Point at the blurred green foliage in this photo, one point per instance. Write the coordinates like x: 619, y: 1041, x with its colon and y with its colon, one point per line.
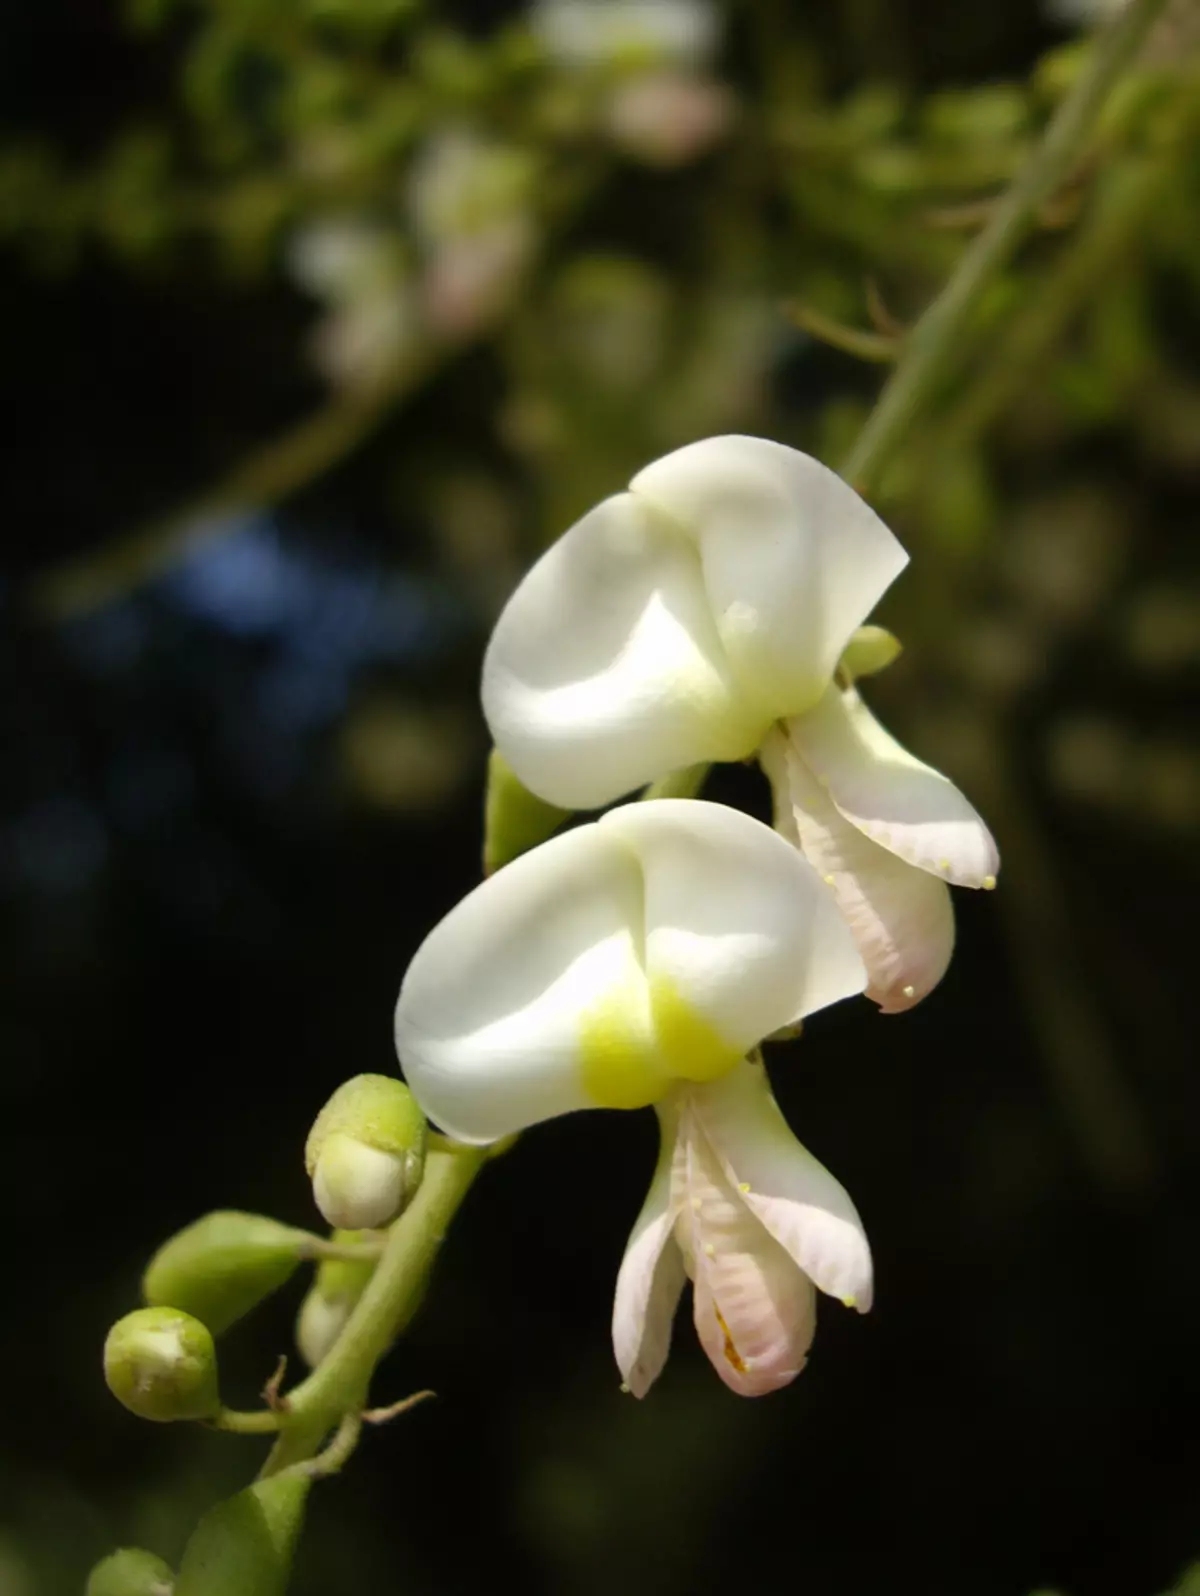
x: 520, y: 254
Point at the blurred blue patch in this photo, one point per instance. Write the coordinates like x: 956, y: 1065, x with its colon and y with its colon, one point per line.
x: 249, y: 581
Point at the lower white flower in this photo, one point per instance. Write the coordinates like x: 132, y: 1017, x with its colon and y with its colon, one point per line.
x: 659, y: 944
x: 746, y: 1213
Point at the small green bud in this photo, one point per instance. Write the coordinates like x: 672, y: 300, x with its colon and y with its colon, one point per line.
x: 366, y: 1152
x: 131, y: 1572
x: 162, y: 1365
x: 871, y: 649
x: 244, y: 1545
x: 336, y: 1288
x: 515, y: 820
x: 223, y: 1266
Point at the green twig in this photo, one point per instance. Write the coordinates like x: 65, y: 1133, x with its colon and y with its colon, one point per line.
x: 339, y: 1384
x: 937, y: 341
x: 880, y: 348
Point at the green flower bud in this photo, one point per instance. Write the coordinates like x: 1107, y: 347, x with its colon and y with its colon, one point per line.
x: 223, y: 1266
x: 515, y: 820
x: 244, y: 1546
x: 871, y: 649
x: 131, y: 1572
x: 162, y: 1365
x: 366, y: 1152
x: 336, y: 1288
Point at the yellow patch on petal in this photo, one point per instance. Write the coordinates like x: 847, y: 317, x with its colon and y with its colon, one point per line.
x: 732, y: 1356
x: 618, y: 1058
x: 629, y: 1058
x: 690, y: 1048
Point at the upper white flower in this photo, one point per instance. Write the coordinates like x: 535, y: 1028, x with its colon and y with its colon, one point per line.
x: 658, y: 944
x: 583, y: 33
x: 746, y: 1213
x: 701, y: 615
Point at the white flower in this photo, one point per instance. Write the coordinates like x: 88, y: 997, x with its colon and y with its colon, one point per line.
x: 469, y: 198
x: 357, y: 269
x: 585, y: 33
x: 667, y: 118
x: 660, y: 943
x: 740, y: 1208
x: 701, y: 615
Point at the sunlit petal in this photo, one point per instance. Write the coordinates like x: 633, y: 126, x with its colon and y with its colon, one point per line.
x: 789, y: 1193
x: 901, y: 918
x: 605, y: 669
x: 793, y: 559
x: 905, y: 806
x: 741, y: 935
x: 650, y: 1280
x: 488, y: 1019
x: 659, y: 943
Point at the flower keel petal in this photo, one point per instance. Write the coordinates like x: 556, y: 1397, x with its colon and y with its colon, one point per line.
x: 903, y: 805
x: 901, y: 918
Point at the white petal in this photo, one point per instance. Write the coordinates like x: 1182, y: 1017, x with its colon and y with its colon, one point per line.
x: 754, y: 1309
x: 488, y: 1023
x: 605, y: 669
x: 792, y: 1195
x: 907, y: 807
x: 649, y: 1281
x: 793, y: 559
x: 741, y: 935
x: 901, y: 918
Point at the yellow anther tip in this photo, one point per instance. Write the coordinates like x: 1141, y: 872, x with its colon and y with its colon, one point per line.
x: 988, y: 883
x: 944, y: 864
x: 709, y: 1250
x: 829, y: 881
x: 849, y: 1302
x: 909, y: 991
x: 744, y: 1185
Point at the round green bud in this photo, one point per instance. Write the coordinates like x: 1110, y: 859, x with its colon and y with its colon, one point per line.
x: 871, y: 649
x: 131, y: 1572
x: 515, y: 819
x: 162, y: 1365
x: 244, y: 1546
x: 222, y: 1266
x: 366, y: 1152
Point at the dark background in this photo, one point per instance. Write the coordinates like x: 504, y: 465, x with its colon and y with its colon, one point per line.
x: 241, y: 779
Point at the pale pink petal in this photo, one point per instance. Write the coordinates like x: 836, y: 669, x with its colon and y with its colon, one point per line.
x: 905, y: 806
x: 649, y: 1282
x: 754, y: 1309
x: 901, y: 918
x: 789, y: 1193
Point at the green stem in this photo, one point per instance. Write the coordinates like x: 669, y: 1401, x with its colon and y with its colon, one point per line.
x: 316, y: 1247
x: 937, y: 342
x: 264, y: 1421
x: 338, y: 1385
x: 683, y: 783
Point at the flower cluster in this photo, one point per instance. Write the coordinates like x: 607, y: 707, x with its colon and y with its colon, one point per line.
x: 713, y: 611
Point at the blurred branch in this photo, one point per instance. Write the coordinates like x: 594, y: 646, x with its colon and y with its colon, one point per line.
x: 879, y: 347
x: 937, y: 341
x: 1125, y: 202
x: 273, y: 472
